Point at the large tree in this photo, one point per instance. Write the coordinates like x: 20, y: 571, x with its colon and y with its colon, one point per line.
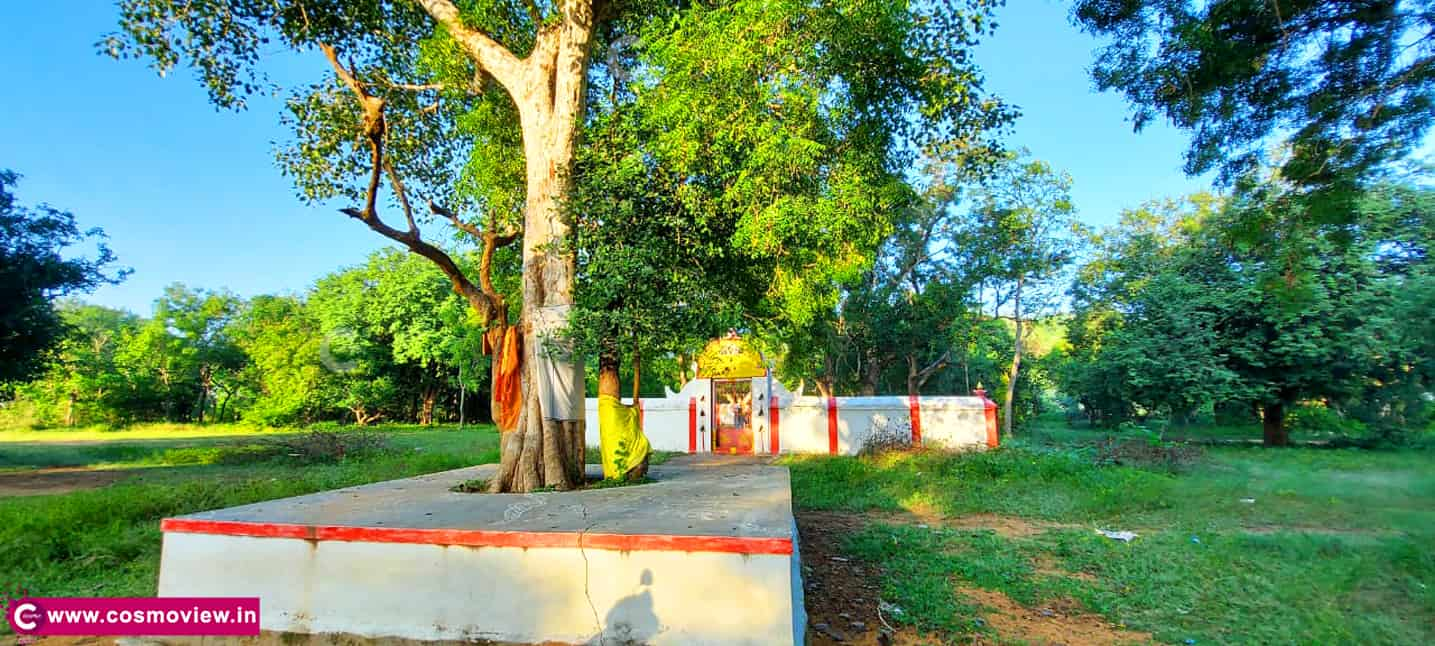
x: 1175, y: 311
x: 1019, y: 239
x: 790, y: 117
x: 34, y: 272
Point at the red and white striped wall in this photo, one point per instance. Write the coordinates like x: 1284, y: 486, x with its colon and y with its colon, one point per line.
x: 831, y: 425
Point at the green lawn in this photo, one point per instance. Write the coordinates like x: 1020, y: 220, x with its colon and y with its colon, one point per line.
x: 105, y: 542
x: 1334, y: 548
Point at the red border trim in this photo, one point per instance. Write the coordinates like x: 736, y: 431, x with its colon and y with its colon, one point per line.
x: 776, y: 417
x: 483, y: 538
x: 832, y: 425
x: 692, y: 425
x: 915, y: 404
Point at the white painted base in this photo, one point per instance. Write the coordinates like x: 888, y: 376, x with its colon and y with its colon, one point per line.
x: 433, y: 592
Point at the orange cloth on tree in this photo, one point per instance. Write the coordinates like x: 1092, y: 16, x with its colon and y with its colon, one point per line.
x: 507, y: 384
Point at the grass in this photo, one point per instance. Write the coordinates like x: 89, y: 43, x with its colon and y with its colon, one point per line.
x: 105, y: 542
x: 1335, y: 547
x: 156, y: 445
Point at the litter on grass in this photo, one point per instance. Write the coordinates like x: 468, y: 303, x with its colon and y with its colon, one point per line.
x: 1123, y: 535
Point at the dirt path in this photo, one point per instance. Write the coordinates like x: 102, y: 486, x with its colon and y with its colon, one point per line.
x: 842, y: 593
x: 40, y: 482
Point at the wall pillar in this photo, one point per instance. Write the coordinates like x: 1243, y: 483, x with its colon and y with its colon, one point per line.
x: 993, y: 438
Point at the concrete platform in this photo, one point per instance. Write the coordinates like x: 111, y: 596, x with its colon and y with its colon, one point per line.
x: 705, y: 555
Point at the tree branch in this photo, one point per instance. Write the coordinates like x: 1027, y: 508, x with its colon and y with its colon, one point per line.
x: 495, y: 59
x: 403, y: 196
x: 533, y: 12
x: 491, y: 243
x: 918, y: 378
x: 453, y: 218
x: 374, y: 132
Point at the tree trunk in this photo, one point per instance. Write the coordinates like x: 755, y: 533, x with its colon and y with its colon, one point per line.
x: 870, y: 377
x: 428, y: 396
x: 203, y: 393
x: 426, y: 410
x: 223, y: 406
x: 918, y: 378
x: 1015, y: 362
x: 825, y: 382
x: 608, y: 365
x: 547, y: 448
x: 1273, y: 425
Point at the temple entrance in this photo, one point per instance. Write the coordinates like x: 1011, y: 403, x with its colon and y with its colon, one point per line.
x: 732, y: 414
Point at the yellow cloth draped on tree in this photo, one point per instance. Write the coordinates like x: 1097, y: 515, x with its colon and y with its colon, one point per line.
x: 620, y: 437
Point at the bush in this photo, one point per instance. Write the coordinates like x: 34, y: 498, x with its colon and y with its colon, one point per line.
x: 1320, y: 420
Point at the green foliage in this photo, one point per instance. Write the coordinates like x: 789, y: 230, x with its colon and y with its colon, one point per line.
x: 771, y: 117
x: 1330, y: 550
x: 36, y: 267
x: 1180, y: 308
x: 106, y: 542
x: 918, y: 321
x: 1351, y: 85
x: 394, y: 335
x: 388, y: 339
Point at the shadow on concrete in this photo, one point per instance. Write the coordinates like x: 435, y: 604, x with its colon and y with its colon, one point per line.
x: 632, y: 620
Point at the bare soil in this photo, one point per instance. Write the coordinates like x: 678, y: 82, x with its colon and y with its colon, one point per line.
x: 842, y: 593
x: 40, y: 482
x: 1061, y: 622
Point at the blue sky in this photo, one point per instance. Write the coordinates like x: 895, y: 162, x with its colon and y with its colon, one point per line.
x: 190, y: 194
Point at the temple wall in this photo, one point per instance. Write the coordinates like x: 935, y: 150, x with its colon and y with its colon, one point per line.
x: 839, y: 426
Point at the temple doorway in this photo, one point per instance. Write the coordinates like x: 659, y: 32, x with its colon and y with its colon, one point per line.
x: 732, y: 413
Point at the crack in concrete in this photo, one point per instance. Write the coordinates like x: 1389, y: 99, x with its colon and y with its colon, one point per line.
x: 586, y: 593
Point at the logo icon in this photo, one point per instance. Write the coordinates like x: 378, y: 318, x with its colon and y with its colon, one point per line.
x: 24, y: 616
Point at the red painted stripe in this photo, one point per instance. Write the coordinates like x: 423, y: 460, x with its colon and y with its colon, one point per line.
x: 776, y: 414
x: 484, y: 538
x: 692, y: 425
x: 832, y: 425
x: 236, y: 528
x: 916, y: 406
x: 993, y: 439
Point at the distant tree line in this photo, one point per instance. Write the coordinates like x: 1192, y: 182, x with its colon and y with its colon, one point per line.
x: 1244, y: 309
x: 387, y: 340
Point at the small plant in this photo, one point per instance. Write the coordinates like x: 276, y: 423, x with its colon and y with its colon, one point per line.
x: 613, y: 483
x: 476, y: 485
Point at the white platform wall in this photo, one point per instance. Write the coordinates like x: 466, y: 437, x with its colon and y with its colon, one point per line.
x: 682, y: 422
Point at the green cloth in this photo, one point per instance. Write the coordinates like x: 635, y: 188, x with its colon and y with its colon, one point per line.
x: 620, y: 437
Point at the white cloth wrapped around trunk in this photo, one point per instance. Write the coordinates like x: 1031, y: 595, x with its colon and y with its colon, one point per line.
x: 560, y: 379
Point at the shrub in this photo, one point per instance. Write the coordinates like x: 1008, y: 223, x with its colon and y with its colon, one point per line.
x: 1320, y: 420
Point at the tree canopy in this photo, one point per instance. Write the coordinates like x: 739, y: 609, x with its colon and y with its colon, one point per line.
x: 1350, y: 86
x: 35, y: 270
